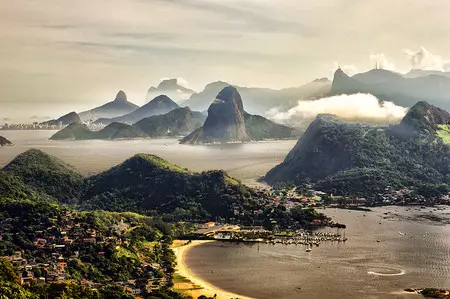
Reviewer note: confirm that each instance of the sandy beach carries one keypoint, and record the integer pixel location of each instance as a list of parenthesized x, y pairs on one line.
[(187, 283)]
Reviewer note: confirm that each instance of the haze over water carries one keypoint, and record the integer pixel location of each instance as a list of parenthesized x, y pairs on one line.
[(246, 162)]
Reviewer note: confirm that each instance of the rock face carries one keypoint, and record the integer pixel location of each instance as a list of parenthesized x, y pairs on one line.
[(4, 141), (64, 120), (422, 120), (77, 131), (159, 105), (228, 122), (225, 121), (180, 121), (172, 89), (316, 154), (118, 107)]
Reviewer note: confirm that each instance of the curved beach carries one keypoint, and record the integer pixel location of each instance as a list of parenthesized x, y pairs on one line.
[(193, 285)]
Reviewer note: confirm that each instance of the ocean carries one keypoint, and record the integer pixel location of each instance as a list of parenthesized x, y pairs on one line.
[(384, 254), (247, 161)]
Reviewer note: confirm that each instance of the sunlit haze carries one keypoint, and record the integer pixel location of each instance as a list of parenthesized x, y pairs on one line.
[(58, 56)]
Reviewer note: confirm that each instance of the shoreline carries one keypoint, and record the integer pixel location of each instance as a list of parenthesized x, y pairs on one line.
[(193, 285)]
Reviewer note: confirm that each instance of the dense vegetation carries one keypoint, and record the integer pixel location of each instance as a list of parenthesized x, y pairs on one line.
[(45, 174), (356, 159), (149, 184), (144, 183), (129, 242), (260, 128)]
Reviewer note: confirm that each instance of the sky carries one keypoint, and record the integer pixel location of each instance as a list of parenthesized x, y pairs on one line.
[(62, 55)]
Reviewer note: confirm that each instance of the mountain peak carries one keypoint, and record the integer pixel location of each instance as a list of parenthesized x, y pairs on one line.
[(160, 99), (225, 121), (422, 119), (229, 94), (121, 96), (154, 162), (340, 73), (168, 84)]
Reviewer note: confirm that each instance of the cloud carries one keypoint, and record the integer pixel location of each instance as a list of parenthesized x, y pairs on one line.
[(353, 107), (380, 61), (425, 60)]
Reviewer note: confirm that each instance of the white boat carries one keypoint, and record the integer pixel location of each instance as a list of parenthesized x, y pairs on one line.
[(308, 249)]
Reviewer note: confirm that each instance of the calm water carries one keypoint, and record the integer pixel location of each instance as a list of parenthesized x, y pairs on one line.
[(419, 249), (244, 161)]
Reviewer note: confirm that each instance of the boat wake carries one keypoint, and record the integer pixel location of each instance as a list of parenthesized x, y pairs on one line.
[(402, 272)]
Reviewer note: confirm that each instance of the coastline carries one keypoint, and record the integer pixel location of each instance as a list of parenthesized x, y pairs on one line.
[(189, 284)]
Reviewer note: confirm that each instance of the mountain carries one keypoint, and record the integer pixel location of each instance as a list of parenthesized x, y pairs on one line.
[(180, 121), (118, 107), (159, 105), (77, 131), (351, 158), (228, 122), (260, 128), (4, 141), (414, 73), (225, 121), (149, 183), (172, 89), (422, 120), (391, 86), (260, 100), (64, 120), (47, 174), (144, 183)]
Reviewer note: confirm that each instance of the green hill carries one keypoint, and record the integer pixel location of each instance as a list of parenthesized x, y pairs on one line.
[(47, 175), (149, 184), (349, 158), (260, 128), (180, 121)]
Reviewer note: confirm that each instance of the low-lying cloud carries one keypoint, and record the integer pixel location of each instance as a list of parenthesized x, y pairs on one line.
[(352, 107), (425, 60)]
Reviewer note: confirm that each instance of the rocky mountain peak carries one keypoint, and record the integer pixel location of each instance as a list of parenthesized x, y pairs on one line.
[(168, 84), (121, 96), (225, 121)]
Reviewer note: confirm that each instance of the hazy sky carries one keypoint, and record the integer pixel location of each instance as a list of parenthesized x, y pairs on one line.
[(60, 55)]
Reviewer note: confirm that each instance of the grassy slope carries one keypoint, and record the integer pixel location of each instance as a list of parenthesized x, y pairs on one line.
[(443, 132)]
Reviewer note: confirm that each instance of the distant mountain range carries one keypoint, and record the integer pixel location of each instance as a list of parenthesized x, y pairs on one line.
[(78, 131), (180, 121), (403, 90), (159, 105), (228, 122), (118, 107), (260, 100), (414, 73), (170, 88), (350, 158), (64, 120)]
